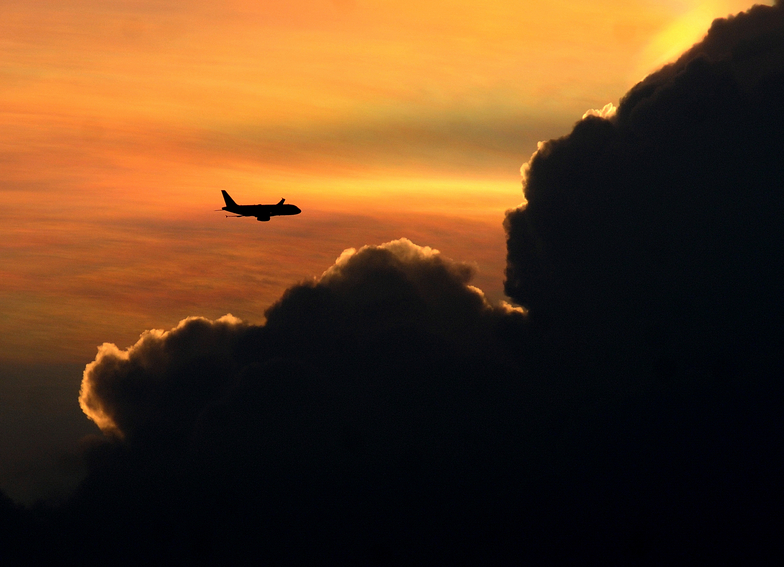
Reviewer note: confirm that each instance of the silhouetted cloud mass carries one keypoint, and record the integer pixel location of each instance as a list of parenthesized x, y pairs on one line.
[(370, 304), (155, 389), (369, 404), (665, 220), (651, 252), (387, 413)]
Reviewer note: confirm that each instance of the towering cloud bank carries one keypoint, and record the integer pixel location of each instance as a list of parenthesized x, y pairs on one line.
[(666, 219), (651, 250)]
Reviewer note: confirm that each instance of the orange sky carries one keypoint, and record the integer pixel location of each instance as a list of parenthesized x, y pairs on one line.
[(121, 120)]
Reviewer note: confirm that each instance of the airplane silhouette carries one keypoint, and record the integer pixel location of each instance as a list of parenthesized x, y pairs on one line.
[(261, 212)]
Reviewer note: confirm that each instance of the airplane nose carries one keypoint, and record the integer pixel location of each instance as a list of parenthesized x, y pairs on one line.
[(297, 209)]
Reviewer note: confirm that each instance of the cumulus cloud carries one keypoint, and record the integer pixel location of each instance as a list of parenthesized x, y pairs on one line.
[(135, 390), (662, 221), (386, 384), (650, 249), (160, 384), (607, 111)]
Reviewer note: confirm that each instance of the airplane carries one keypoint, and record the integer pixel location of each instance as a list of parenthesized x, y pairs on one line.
[(261, 212)]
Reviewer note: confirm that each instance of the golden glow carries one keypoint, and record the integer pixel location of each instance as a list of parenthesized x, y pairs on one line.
[(607, 111), (690, 24), (89, 406), (121, 121), (110, 355)]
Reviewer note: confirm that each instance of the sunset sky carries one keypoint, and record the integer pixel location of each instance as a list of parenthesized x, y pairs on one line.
[(121, 121)]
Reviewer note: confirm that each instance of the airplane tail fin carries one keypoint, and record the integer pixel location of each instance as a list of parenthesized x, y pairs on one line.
[(281, 201), (229, 201)]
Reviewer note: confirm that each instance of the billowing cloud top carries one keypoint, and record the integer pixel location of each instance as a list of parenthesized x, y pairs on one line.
[(385, 380), (122, 390), (369, 298), (664, 219)]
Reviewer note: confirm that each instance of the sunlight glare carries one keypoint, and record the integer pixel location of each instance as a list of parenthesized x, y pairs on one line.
[(686, 29)]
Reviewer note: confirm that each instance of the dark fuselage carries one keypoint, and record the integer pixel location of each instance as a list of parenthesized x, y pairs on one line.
[(261, 212)]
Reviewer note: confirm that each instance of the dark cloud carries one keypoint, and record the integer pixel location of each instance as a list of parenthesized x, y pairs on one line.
[(650, 252), (370, 299), (155, 389), (665, 220), (11, 526), (375, 401), (387, 413)]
